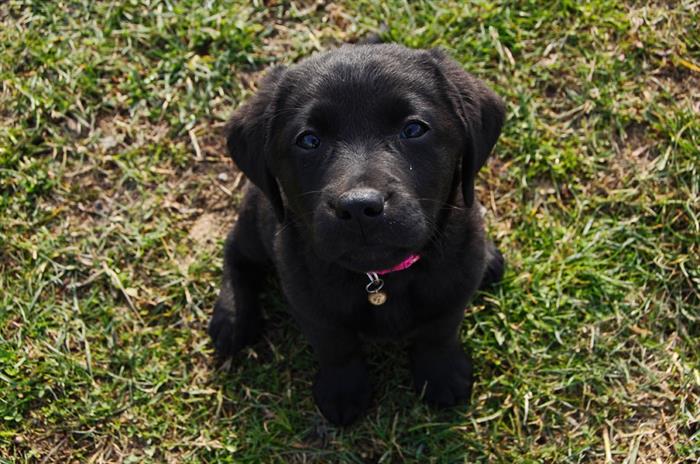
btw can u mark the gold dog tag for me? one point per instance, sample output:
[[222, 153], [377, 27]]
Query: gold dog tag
[[375, 295], [377, 298]]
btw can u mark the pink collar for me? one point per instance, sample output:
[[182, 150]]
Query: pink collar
[[405, 264]]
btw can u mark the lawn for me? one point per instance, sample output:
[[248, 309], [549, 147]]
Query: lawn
[[116, 195]]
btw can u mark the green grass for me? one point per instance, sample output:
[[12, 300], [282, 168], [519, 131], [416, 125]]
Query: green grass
[[113, 181]]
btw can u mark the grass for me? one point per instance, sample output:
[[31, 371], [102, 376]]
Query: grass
[[116, 194]]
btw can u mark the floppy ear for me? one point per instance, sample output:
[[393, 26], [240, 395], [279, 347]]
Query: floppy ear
[[482, 113], [247, 139]]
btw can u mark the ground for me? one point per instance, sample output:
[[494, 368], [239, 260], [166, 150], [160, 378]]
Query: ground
[[116, 194]]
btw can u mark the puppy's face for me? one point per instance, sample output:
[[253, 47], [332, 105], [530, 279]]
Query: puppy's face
[[368, 145]]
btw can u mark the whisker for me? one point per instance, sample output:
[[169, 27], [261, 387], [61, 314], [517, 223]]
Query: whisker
[[445, 205], [310, 192], [293, 221]]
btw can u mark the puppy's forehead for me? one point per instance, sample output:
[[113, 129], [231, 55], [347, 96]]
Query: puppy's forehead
[[357, 77]]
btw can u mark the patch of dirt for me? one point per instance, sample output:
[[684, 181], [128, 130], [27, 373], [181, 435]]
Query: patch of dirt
[[496, 190], [292, 36], [206, 229], [635, 152], [645, 429], [50, 447]]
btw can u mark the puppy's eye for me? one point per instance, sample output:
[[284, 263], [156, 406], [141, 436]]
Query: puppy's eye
[[414, 129], [308, 140]]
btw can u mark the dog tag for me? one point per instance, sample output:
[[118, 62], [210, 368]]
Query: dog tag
[[375, 295], [377, 298]]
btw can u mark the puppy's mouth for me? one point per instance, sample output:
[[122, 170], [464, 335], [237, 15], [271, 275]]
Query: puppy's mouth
[[373, 258]]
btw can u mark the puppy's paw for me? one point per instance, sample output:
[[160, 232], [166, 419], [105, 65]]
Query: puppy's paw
[[230, 333], [343, 393], [495, 268], [445, 379]]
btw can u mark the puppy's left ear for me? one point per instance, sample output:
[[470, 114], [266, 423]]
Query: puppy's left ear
[[481, 111]]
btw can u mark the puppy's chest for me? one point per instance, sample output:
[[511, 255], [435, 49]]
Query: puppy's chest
[[403, 311], [392, 319]]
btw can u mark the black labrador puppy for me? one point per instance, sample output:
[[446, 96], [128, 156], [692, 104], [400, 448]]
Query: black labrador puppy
[[363, 161]]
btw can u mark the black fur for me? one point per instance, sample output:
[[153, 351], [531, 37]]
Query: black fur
[[363, 200]]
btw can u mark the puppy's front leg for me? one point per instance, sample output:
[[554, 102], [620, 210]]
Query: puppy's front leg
[[439, 366], [237, 320], [341, 389]]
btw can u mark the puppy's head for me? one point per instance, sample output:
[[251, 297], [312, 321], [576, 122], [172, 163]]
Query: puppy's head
[[365, 145]]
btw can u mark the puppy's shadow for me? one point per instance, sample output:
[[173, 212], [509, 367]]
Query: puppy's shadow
[[270, 381]]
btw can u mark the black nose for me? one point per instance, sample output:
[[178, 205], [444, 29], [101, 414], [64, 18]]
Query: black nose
[[361, 203]]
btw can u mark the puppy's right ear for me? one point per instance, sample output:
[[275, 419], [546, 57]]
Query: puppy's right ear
[[248, 136]]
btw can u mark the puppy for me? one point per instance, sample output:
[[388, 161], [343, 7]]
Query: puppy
[[362, 162]]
